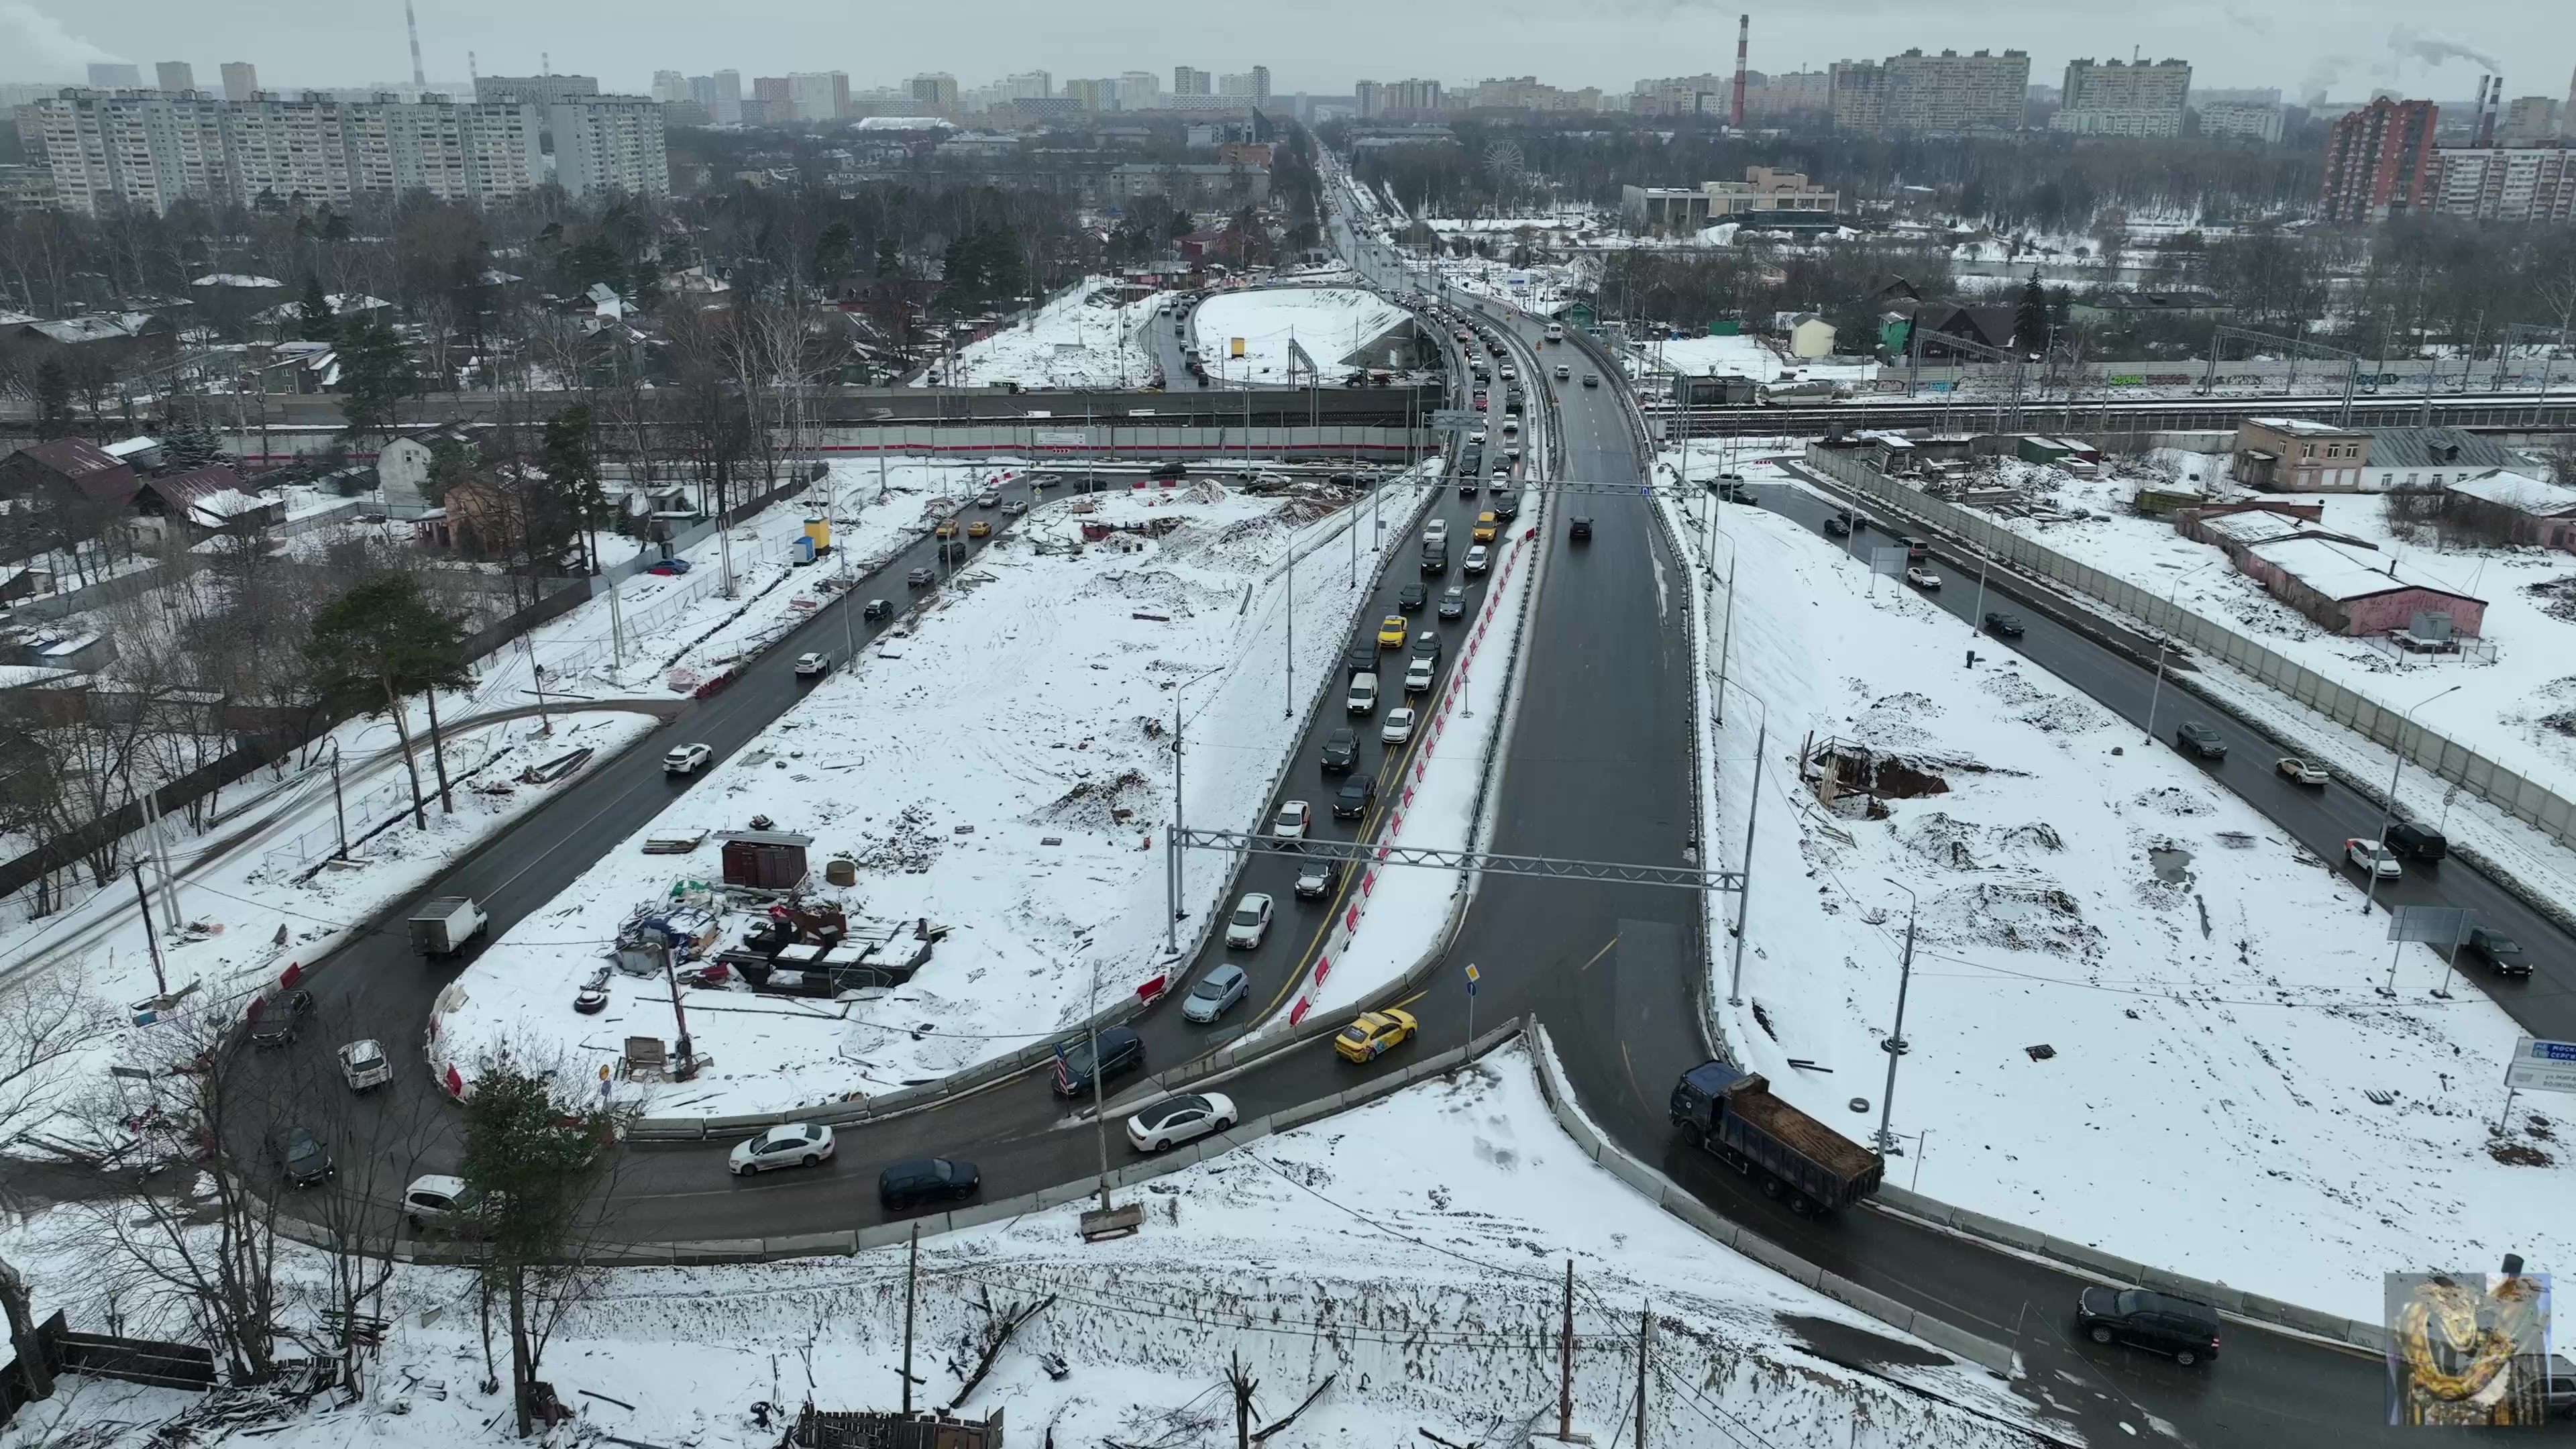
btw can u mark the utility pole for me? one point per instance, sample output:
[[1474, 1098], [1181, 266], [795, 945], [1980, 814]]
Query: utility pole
[[1645, 1346], [1744, 891], [143, 903], [339, 810], [911, 1289], [1895, 1043], [538, 672], [616, 627], [2388, 806], [161, 861], [671, 977], [1565, 1362], [1099, 1123], [1288, 660]]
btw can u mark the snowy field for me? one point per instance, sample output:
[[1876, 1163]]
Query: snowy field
[[2519, 711], [1333, 324], [1002, 768], [1426, 1281], [2207, 989], [1086, 338], [1744, 357]]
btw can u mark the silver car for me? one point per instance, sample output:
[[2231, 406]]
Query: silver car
[[1217, 992]]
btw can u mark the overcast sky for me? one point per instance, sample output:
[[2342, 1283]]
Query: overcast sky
[[2345, 46]]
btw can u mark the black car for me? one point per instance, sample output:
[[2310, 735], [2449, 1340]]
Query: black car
[[1435, 558], [2503, 952], [2201, 740], [1838, 526], [1731, 489], [281, 1019], [1341, 749], [1362, 659], [1507, 504], [2006, 625], [2420, 841], [926, 1179], [1453, 603], [1582, 529], [1354, 798], [1412, 597], [301, 1157], [1121, 1051], [876, 609], [2177, 1326], [1426, 645], [1318, 878], [1468, 486]]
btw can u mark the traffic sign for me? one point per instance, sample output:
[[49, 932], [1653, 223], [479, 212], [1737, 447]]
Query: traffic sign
[[2542, 1066], [1473, 975]]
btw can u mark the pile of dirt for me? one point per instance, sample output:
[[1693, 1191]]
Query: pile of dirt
[[2022, 915], [2557, 597], [910, 843], [1094, 804], [2174, 800]]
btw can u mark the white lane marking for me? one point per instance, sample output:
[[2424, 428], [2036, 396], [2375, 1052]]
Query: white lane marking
[[1663, 608]]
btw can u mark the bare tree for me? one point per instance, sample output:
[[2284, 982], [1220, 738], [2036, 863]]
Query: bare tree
[[43, 1026]]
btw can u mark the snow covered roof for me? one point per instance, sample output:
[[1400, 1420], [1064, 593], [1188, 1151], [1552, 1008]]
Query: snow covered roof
[[101, 328], [2307, 426], [235, 279], [2520, 492], [2253, 526], [2435, 447], [340, 303], [2343, 572], [124, 448]]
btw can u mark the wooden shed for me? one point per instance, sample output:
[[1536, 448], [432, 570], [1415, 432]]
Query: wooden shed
[[772, 860]]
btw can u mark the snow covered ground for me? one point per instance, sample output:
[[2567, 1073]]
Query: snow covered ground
[[2519, 711], [1002, 769], [1743, 356], [2219, 1063], [1333, 324], [1085, 338], [1426, 1280]]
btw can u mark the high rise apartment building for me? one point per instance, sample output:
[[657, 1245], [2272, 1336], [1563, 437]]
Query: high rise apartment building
[[174, 76], [539, 90], [1188, 82], [1140, 90], [1949, 92], [728, 106], [670, 85], [609, 144], [818, 96], [1034, 85], [937, 91], [2498, 183], [112, 77], [1253, 84], [2112, 98], [2250, 121], [2379, 159], [241, 80]]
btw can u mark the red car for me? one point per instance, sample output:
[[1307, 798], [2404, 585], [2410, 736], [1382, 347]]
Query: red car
[[670, 566]]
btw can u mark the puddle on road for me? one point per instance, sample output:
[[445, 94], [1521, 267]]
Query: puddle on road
[[2172, 863], [1857, 1348]]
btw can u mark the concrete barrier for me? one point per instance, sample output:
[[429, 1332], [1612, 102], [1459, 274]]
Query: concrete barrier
[[809, 1245]]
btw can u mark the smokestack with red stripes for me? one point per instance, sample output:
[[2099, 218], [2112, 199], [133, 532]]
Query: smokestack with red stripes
[[1743, 38]]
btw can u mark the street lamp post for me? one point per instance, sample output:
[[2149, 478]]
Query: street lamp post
[[2157, 695], [1172, 842], [2388, 806], [1895, 1043], [339, 809], [1744, 888]]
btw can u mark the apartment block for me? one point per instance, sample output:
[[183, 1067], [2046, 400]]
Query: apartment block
[[2497, 183], [2248, 120], [2379, 159], [241, 80], [1373, 99], [1189, 82], [1944, 93], [1253, 84], [606, 144], [1673, 210], [174, 76], [541, 90], [938, 91], [2110, 98]]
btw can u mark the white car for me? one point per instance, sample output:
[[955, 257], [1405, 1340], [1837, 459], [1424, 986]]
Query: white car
[[687, 759], [1478, 557], [1476, 439], [363, 1064], [988, 498], [1436, 531], [809, 664], [1564, 373], [790, 1144], [2304, 772], [1175, 1120], [2372, 858], [1922, 578], [1015, 507], [1294, 817], [1420, 675], [1398, 727], [439, 1201], [1250, 923]]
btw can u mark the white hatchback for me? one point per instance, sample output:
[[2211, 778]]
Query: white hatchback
[[790, 1144]]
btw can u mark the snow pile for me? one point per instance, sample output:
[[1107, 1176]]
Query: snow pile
[[1335, 325], [1424, 1282], [2205, 988], [1084, 338], [1000, 768]]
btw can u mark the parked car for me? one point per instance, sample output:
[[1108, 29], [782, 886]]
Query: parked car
[[2005, 626], [1922, 578], [812, 664], [1119, 1049], [301, 1157], [438, 1201], [1318, 879], [687, 759], [2372, 858], [1453, 603], [2502, 952], [789, 1144], [670, 567], [1375, 1033], [1250, 924], [1391, 631], [918, 1180], [2304, 772], [1220, 989], [281, 1019], [876, 609], [921, 578], [1341, 748], [2178, 1327], [1294, 817], [1354, 798], [1838, 526], [2420, 841], [1412, 597], [1399, 722], [1175, 1120], [1581, 531], [2198, 738]]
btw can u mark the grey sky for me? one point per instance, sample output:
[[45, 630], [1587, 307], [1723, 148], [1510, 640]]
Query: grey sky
[[1314, 45]]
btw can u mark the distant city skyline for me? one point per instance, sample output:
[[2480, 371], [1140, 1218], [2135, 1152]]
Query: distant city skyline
[[2344, 50]]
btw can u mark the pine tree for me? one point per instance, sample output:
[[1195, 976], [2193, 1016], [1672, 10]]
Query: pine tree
[[314, 317], [53, 398], [2030, 316], [375, 376], [379, 645]]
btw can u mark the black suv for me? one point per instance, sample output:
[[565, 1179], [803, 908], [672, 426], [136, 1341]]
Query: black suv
[[301, 1157], [2159, 1321], [1839, 525], [2201, 740], [1582, 529], [1349, 803], [1121, 1051], [2503, 952], [281, 1019], [2006, 625], [1341, 749], [926, 1179], [2421, 842], [1507, 504]]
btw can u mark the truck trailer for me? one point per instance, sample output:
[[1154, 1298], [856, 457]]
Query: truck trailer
[[443, 926], [1732, 1115]]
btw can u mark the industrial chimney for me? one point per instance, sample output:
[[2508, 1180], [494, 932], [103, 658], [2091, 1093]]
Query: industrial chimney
[[1743, 38], [2487, 118]]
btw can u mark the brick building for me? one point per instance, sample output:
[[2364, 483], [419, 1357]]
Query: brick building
[[2379, 159]]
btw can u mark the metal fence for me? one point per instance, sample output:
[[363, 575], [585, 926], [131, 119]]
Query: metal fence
[[2517, 795]]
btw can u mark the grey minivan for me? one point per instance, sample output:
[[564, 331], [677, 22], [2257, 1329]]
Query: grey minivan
[[1216, 992]]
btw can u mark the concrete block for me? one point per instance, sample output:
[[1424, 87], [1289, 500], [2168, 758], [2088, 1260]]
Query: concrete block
[[1912, 1204], [975, 1215], [614, 1254], [719, 1250], [666, 1129], [884, 1235], [1779, 1259], [810, 1245], [1062, 1193], [748, 1125], [1876, 1304], [2085, 1255], [2178, 1285], [1995, 1358], [1979, 1225], [1634, 1173], [1304, 1112], [1699, 1215]]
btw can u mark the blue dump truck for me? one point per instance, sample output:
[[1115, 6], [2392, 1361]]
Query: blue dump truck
[[1733, 1116]]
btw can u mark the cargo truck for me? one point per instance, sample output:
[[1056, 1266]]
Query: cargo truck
[[443, 926], [1732, 1115]]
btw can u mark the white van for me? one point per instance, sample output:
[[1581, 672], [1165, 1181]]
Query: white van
[[1363, 695], [1556, 332]]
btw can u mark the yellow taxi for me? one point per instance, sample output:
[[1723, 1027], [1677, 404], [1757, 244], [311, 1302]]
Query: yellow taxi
[[946, 529], [1390, 631], [1486, 527], [1366, 1039], [978, 529]]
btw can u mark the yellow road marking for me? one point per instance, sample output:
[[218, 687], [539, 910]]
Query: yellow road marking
[[1596, 956]]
